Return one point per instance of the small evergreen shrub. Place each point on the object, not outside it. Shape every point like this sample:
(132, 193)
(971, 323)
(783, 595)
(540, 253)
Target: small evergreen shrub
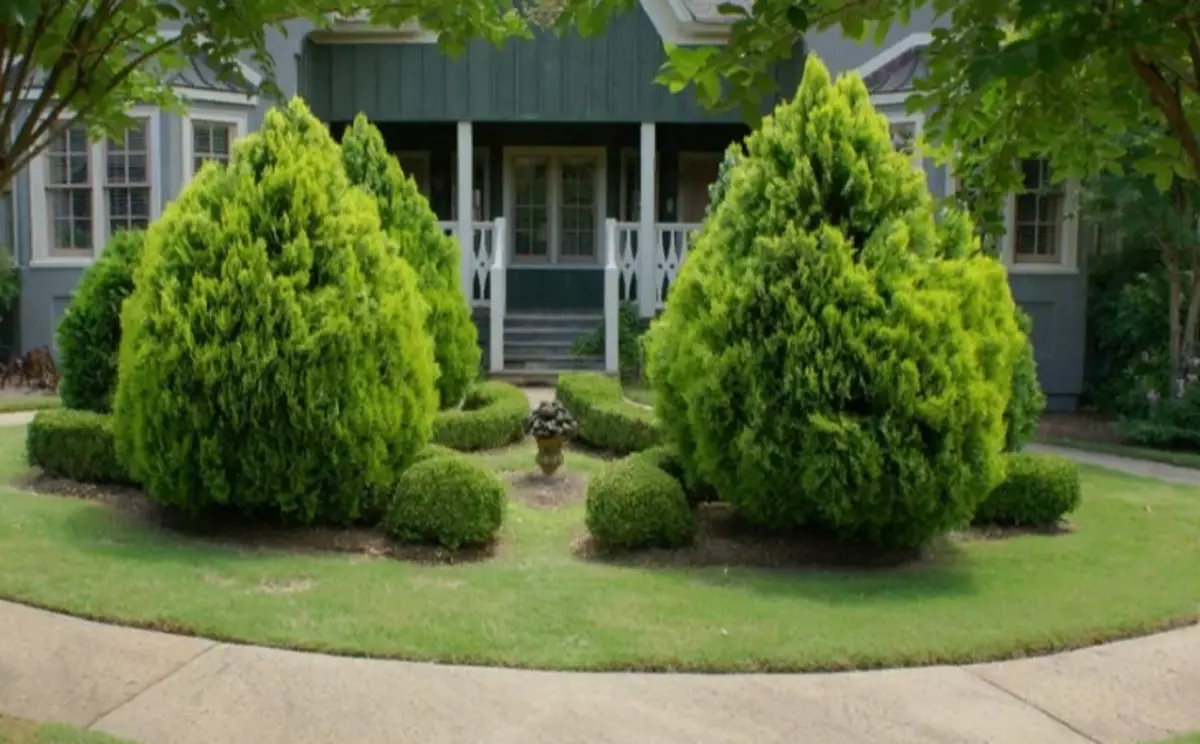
(1037, 491)
(605, 418)
(415, 233)
(274, 356)
(434, 450)
(1027, 402)
(632, 504)
(630, 328)
(492, 416)
(75, 444)
(450, 501)
(89, 336)
(832, 355)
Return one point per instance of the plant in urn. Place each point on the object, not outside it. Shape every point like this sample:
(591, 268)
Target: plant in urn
(552, 425)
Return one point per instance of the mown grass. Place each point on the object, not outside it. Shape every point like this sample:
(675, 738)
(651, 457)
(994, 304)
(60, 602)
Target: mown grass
(15, 402)
(1131, 565)
(20, 731)
(1167, 457)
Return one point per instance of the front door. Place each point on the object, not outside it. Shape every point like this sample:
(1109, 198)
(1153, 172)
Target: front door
(555, 205)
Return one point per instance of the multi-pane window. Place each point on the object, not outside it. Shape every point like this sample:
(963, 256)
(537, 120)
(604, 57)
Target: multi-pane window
(127, 178)
(1040, 211)
(69, 193)
(904, 136)
(211, 140)
(531, 207)
(577, 213)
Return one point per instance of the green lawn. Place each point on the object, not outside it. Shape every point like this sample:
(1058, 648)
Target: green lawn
(20, 731)
(1185, 739)
(639, 393)
(12, 402)
(1168, 457)
(1132, 565)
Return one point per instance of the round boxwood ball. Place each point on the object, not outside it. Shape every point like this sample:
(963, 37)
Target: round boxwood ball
(1038, 490)
(446, 500)
(632, 504)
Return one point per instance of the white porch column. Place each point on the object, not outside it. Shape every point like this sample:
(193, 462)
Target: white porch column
(499, 300)
(647, 240)
(466, 208)
(612, 363)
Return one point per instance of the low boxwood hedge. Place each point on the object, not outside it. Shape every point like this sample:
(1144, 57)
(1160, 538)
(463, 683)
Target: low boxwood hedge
(446, 500)
(605, 418)
(1037, 491)
(75, 444)
(632, 504)
(490, 417)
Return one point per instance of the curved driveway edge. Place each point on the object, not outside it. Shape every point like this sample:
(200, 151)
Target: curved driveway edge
(160, 689)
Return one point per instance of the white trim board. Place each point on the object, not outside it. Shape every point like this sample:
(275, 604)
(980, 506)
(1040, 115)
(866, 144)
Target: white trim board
(240, 120)
(911, 41)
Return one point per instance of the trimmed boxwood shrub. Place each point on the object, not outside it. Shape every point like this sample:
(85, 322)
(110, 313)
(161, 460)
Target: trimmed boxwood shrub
(75, 444)
(491, 417)
(446, 500)
(632, 504)
(274, 355)
(414, 231)
(605, 418)
(1037, 491)
(433, 450)
(89, 336)
(831, 354)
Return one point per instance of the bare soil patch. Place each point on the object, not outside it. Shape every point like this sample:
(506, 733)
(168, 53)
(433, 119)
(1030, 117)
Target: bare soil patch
(546, 491)
(249, 532)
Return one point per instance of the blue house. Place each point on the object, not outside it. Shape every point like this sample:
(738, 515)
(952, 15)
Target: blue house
(551, 160)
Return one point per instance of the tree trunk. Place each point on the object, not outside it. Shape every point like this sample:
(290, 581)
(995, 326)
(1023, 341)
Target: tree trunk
(1174, 290)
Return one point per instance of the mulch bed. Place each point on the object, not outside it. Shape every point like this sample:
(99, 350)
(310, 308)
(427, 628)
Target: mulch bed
(1082, 426)
(133, 504)
(725, 540)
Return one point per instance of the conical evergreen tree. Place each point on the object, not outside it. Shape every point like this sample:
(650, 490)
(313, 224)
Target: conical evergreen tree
(830, 354)
(414, 231)
(274, 354)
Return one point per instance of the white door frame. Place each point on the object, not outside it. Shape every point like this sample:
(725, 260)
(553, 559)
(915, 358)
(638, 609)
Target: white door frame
(553, 259)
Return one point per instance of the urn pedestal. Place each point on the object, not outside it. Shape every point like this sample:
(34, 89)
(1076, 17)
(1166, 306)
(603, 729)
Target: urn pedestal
(550, 455)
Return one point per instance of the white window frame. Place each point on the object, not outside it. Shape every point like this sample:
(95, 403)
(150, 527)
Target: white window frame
(478, 155)
(1068, 237)
(239, 119)
(553, 259)
(684, 156)
(39, 212)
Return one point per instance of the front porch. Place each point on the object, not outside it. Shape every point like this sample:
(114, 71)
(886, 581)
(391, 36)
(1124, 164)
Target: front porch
(550, 219)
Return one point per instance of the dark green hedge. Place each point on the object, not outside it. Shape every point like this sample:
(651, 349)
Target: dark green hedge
(490, 417)
(632, 504)
(75, 444)
(605, 418)
(450, 501)
(1038, 490)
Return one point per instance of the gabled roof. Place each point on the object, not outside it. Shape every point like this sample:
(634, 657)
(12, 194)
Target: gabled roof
(894, 69)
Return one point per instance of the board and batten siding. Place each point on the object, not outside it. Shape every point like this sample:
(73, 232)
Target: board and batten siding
(604, 78)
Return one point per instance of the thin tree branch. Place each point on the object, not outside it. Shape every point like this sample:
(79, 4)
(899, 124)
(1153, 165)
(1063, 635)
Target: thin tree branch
(20, 85)
(1168, 101)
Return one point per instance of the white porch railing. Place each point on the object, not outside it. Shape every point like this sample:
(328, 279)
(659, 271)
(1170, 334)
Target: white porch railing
(671, 244)
(498, 297)
(476, 282)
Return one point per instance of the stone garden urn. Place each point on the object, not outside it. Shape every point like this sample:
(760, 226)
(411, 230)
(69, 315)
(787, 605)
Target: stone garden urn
(552, 425)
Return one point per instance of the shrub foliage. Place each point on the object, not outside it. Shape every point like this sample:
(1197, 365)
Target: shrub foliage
(75, 444)
(831, 354)
(1027, 402)
(491, 416)
(632, 504)
(414, 231)
(605, 418)
(274, 356)
(89, 336)
(446, 500)
(1037, 491)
